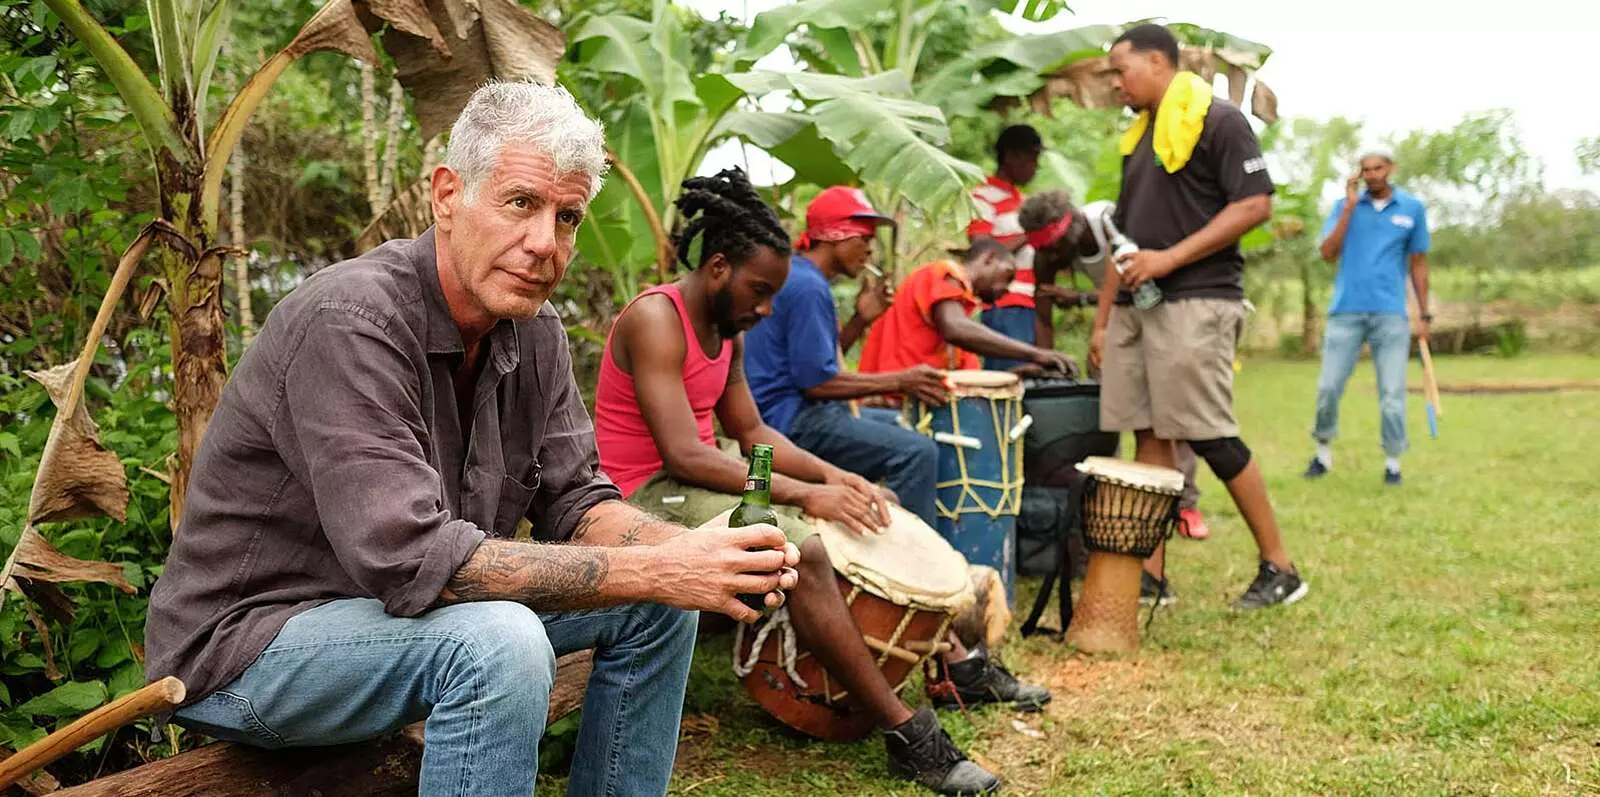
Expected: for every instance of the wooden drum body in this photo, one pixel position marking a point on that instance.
(1128, 510)
(904, 588)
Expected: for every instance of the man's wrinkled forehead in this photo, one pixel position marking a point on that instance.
(521, 169)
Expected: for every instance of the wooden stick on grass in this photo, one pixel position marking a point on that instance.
(152, 699)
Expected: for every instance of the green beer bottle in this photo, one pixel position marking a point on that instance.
(756, 506)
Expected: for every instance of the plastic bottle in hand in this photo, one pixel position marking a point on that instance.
(756, 506)
(1147, 295)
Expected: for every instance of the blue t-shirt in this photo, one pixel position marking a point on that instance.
(796, 348)
(1378, 245)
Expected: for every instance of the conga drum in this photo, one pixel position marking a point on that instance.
(979, 431)
(1128, 509)
(904, 587)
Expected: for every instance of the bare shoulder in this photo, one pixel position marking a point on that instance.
(649, 327)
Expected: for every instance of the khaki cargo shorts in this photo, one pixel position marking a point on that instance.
(685, 505)
(1170, 369)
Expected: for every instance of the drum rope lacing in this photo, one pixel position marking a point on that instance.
(1010, 457)
(788, 648)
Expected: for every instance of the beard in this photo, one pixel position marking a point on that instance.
(722, 313)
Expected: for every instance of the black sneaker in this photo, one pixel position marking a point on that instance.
(1316, 469)
(980, 680)
(1272, 587)
(1391, 477)
(921, 752)
(1150, 590)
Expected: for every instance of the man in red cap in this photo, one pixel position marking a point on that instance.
(791, 361)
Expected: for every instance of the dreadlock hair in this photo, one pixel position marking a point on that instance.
(1046, 208)
(728, 216)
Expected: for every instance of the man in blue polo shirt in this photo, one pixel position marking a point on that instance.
(1380, 237)
(791, 361)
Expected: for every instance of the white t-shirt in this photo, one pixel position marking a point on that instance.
(1097, 213)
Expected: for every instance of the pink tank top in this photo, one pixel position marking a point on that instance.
(628, 453)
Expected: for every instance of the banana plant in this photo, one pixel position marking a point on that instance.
(661, 121)
(488, 38)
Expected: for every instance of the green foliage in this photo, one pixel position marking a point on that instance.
(1588, 154)
(98, 655)
(1469, 169)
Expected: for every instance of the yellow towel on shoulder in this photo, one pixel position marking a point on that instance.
(1179, 121)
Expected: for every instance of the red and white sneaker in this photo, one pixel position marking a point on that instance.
(1192, 524)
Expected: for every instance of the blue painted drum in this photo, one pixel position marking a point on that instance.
(980, 436)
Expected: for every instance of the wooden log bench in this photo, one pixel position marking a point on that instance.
(387, 766)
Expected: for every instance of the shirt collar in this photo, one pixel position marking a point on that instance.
(443, 336)
(1000, 182)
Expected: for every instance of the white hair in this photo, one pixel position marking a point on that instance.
(544, 117)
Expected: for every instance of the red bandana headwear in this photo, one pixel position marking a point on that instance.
(1049, 234)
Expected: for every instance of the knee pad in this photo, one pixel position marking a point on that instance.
(1227, 456)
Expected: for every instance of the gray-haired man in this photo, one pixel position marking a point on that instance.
(345, 565)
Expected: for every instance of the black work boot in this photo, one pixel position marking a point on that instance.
(921, 752)
(980, 680)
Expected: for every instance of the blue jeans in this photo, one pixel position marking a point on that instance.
(481, 674)
(1016, 323)
(875, 447)
(1390, 339)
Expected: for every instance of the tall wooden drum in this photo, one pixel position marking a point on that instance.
(1129, 508)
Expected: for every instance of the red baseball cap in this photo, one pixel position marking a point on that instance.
(840, 212)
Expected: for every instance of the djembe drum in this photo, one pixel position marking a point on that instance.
(904, 588)
(979, 431)
(1129, 508)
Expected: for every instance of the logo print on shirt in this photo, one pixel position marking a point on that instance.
(1405, 222)
(1255, 165)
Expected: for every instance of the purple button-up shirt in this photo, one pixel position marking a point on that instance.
(336, 464)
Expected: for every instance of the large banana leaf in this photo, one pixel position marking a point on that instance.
(791, 138)
(1012, 67)
(770, 28)
(883, 136)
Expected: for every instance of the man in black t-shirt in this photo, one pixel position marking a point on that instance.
(1167, 371)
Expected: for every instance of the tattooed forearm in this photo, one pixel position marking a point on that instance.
(543, 577)
(616, 524)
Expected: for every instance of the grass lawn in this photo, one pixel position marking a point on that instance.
(1450, 644)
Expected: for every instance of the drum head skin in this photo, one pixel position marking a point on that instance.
(984, 383)
(908, 564)
(1167, 481)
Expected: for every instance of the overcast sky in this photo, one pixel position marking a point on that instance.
(1396, 64)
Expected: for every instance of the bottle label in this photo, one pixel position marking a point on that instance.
(755, 484)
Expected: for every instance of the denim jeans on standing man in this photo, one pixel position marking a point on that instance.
(481, 674)
(1389, 336)
(874, 447)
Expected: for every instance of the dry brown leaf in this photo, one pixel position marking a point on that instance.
(1264, 103)
(77, 476)
(1087, 81)
(334, 27)
(1237, 78)
(35, 559)
(473, 41)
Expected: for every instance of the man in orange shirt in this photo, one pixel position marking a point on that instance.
(930, 322)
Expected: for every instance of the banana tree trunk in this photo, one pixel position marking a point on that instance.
(199, 367)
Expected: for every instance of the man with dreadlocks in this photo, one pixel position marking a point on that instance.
(671, 364)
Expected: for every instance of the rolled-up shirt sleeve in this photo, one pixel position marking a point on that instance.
(351, 427)
(570, 481)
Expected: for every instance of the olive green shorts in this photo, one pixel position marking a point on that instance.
(689, 506)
